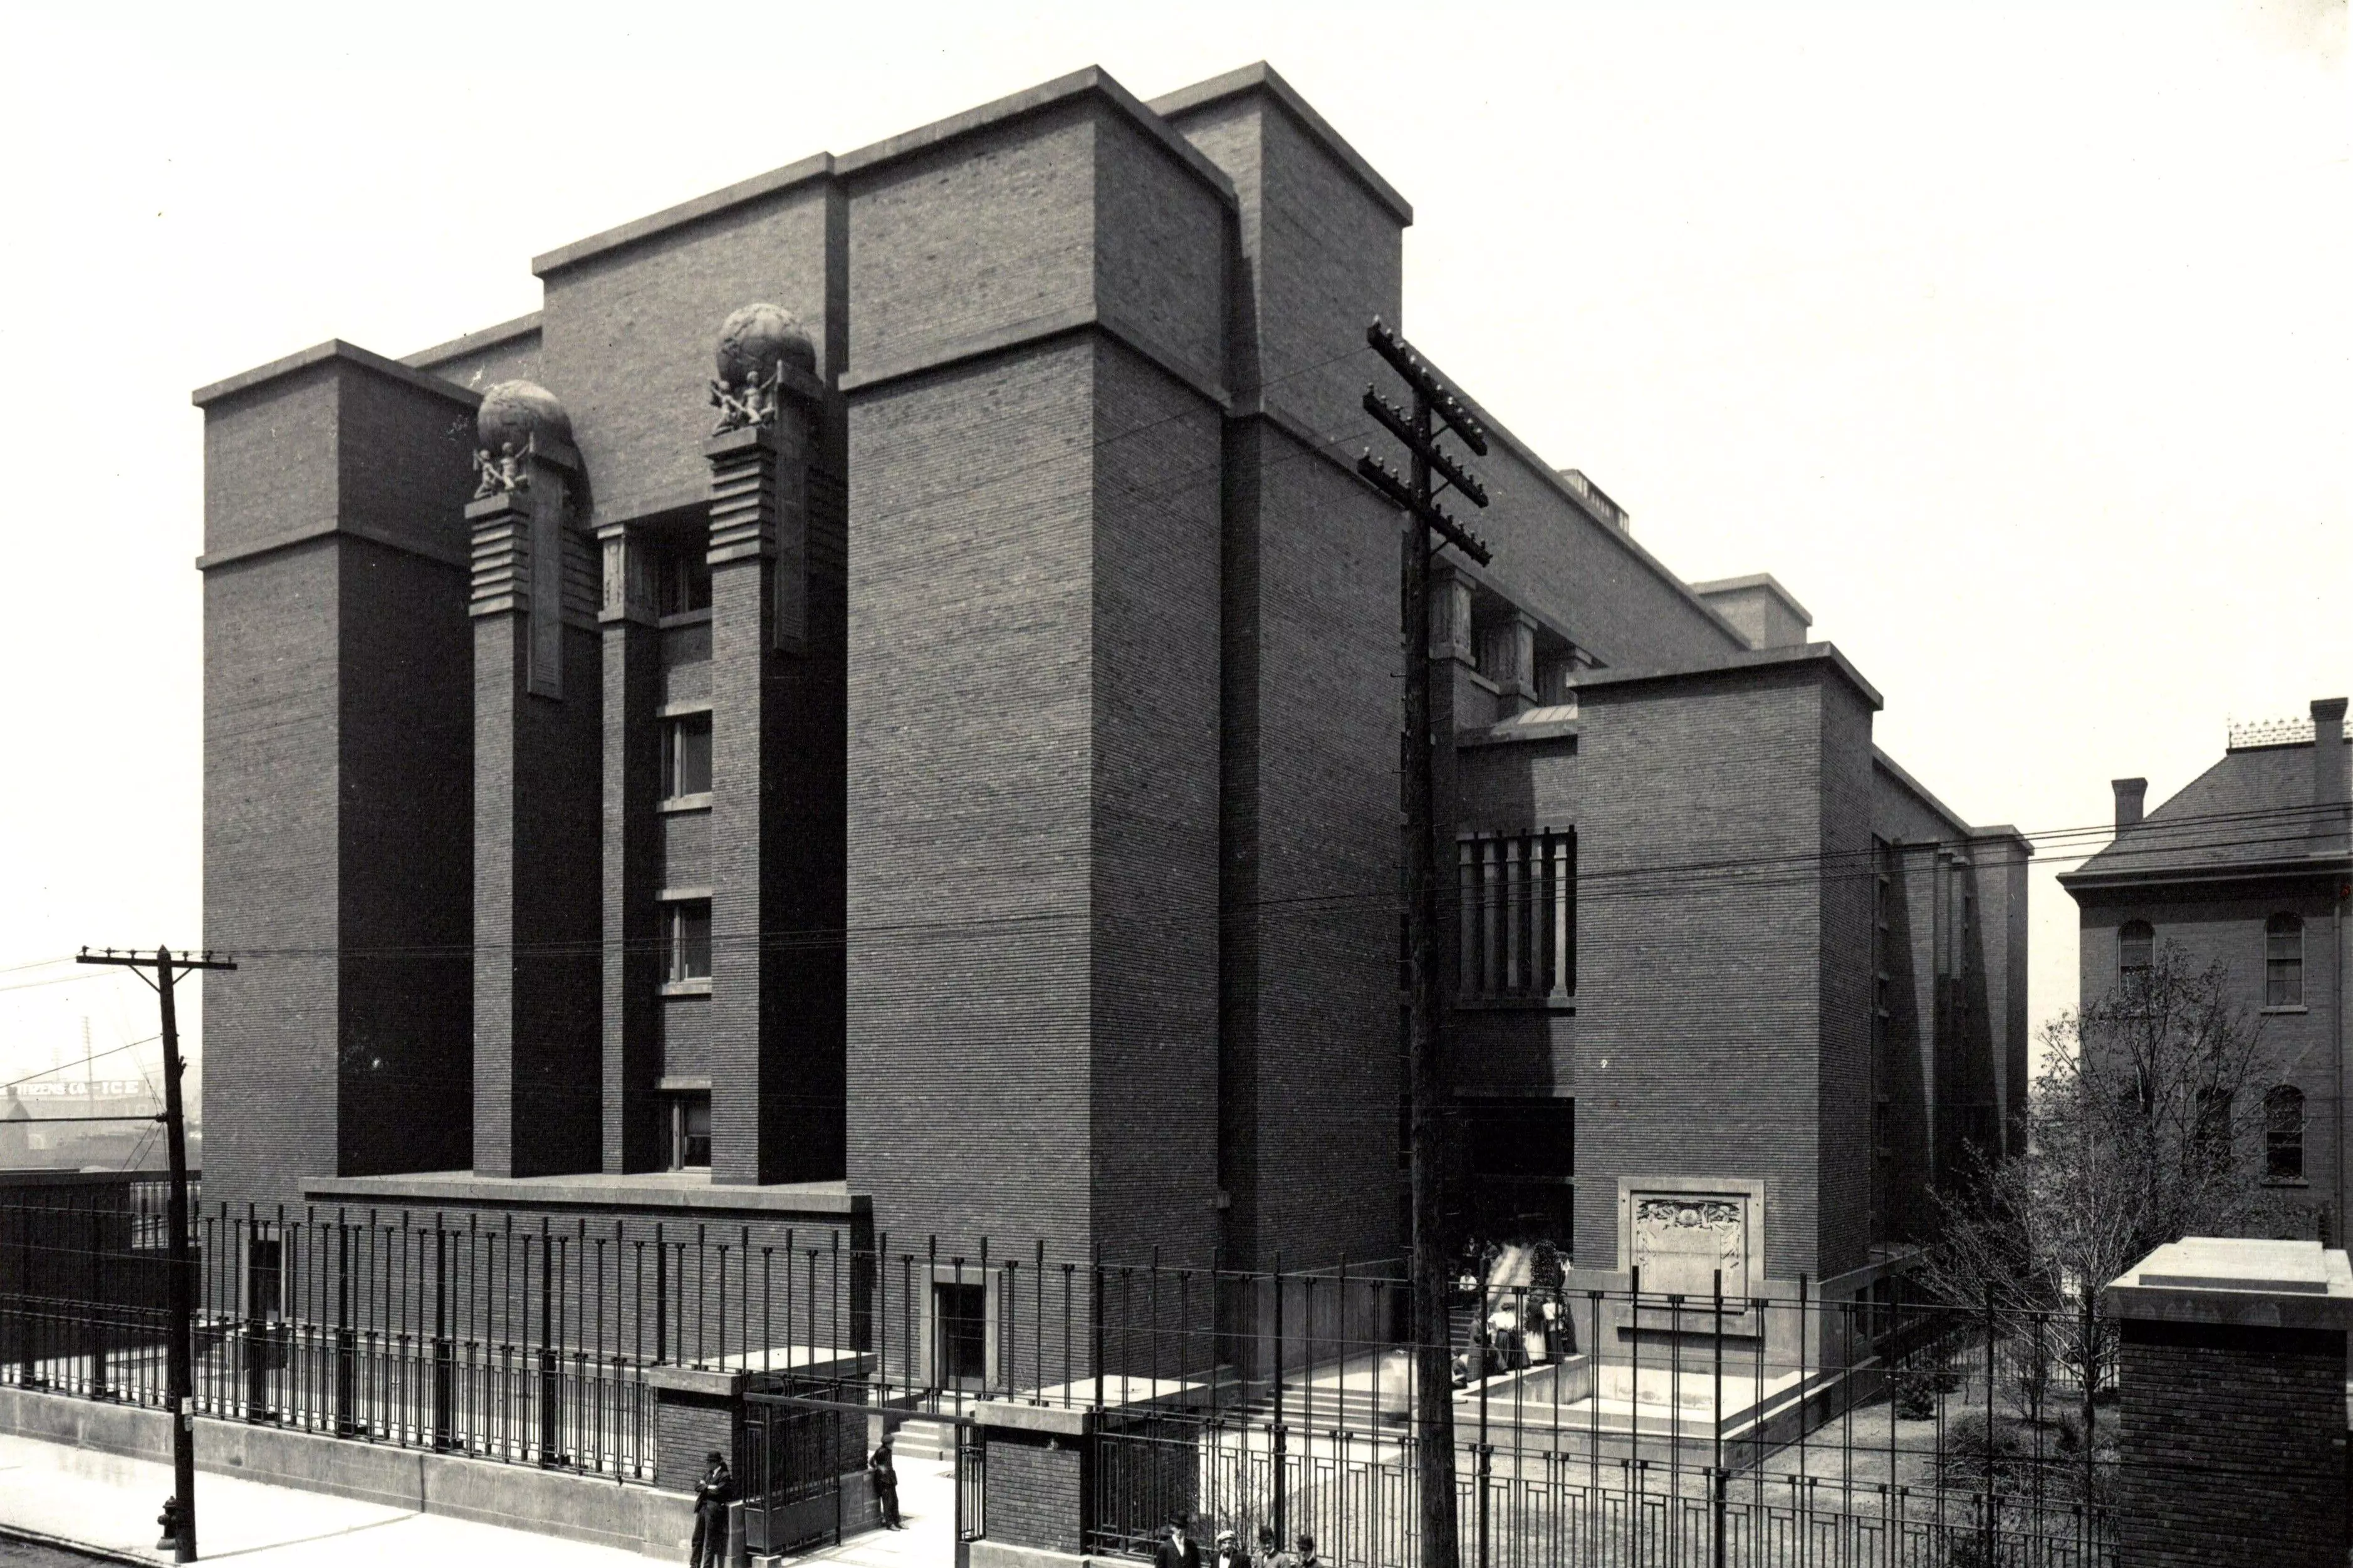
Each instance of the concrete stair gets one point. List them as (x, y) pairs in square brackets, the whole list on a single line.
[(917, 1438)]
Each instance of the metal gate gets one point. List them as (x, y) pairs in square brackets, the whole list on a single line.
[(804, 1479), (803, 1472)]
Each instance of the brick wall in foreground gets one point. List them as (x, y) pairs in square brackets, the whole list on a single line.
[(2233, 1446)]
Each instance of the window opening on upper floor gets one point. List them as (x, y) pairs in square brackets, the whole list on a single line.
[(2284, 1134), (2135, 949), (681, 578), (2284, 962), (686, 939), (686, 755)]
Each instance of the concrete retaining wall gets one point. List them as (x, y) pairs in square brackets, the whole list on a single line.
[(546, 1502)]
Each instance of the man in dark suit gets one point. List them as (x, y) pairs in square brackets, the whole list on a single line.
[(1178, 1551), (885, 1475), (712, 1493), (1228, 1553)]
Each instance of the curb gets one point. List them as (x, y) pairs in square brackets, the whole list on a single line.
[(96, 1553)]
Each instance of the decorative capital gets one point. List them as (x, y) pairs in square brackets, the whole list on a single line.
[(757, 344), (518, 421)]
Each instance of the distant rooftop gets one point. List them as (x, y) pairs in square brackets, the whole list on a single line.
[(2270, 733), (2252, 808)]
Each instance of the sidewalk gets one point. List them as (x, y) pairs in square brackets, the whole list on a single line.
[(109, 1504)]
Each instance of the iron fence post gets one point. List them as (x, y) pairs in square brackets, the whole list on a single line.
[(1716, 1468), (444, 1360), (551, 1379), (345, 1367), (1992, 1445)]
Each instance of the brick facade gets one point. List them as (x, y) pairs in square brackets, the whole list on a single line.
[(2260, 834), (2199, 1403), (1052, 854)]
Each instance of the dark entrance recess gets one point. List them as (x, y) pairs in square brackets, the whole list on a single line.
[(961, 1312), (1522, 1158)]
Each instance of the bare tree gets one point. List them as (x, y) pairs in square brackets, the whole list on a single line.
[(2146, 1125)]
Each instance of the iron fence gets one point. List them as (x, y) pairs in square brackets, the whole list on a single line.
[(1591, 1425)]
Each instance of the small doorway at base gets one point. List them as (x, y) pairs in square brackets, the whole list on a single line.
[(960, 1344)]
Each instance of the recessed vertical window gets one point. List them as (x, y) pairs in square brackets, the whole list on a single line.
[(681, 579), (2135, 947), (690, 1131), (686, 755), (2284, 1134), (2284, 962), (1518, 914), (686, 939)]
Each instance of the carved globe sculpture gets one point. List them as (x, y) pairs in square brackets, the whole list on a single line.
[(754, 339), (515, 411)]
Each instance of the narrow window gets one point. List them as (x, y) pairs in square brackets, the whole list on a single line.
[(2135, 943), (2284, 1134), (2284, 962), (682, 580), (690, 1131), (686, 755), (686, 930)]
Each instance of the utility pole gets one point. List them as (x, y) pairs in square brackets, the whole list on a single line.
[(1435, 407), (179, 1374)]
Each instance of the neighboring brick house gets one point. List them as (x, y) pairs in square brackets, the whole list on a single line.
[(968, 806), (2249, 865)]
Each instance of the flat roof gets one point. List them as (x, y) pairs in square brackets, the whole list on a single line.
[(321, 353), (473, 342), (1260, 76), (1740, 663), (1764, 579), (1092, 81)]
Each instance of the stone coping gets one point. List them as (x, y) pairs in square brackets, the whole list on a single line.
[(473, 342), (726, 1377), (1260, 76), (2237, 1282), (654, 1191), (1738, 663), (1051, 1414), (322, 353), (1092, 81)]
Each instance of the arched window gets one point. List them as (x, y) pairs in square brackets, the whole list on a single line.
[(2135, 942), (2284, 1134), (2284, 962)]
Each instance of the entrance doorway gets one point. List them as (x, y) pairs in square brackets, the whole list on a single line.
[(960, 1342)]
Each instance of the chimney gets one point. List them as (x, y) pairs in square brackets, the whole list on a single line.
[(2332, 770), (2130, 793)]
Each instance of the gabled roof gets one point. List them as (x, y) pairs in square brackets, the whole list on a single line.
[(2252, 811)]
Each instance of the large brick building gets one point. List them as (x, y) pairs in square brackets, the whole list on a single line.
[(961, 800), (2249, 866)]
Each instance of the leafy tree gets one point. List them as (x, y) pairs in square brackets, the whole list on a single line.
[(2146, 1125)]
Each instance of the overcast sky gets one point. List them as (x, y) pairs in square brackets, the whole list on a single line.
[(2015, 342)]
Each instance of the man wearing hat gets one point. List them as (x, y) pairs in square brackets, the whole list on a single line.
[(1178, 1551), (1228, 1552), (712, 1493)]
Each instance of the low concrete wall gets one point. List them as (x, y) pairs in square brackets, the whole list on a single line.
[(546, 1502)]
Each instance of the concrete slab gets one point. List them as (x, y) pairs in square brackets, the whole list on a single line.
[(2232, 1282)]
